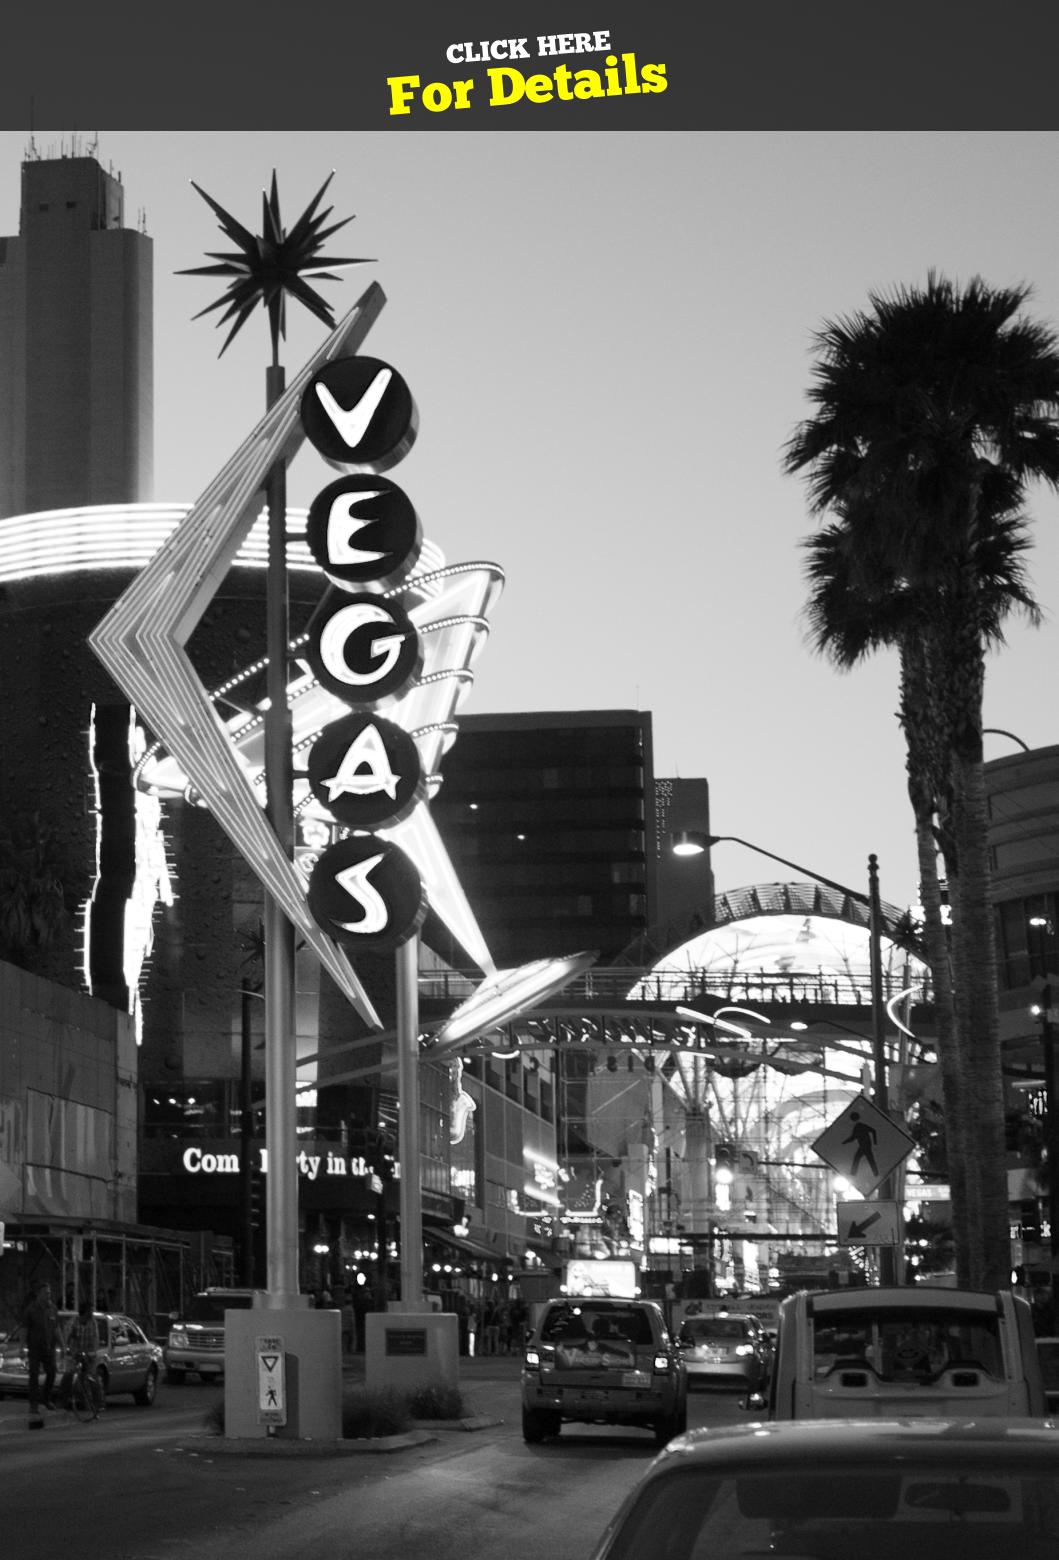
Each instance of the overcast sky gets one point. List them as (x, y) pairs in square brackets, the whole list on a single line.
[(608, 337)]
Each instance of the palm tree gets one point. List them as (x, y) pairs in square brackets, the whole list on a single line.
[(935, 409), (852, 612)]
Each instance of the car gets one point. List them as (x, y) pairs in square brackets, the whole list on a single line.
[(856, 1489), (1048, 1354), (729, 1349), (128, 1361), (196, 1337), (603, 1361), (896, 1351)]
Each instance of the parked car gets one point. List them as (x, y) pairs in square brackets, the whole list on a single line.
[(731, 1349), (876, 1489), (603, 1361), (895, 1351), (128, 1361), (196, 1338), (1048, 1354)]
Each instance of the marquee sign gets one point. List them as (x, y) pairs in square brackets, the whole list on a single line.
[(364, 890)]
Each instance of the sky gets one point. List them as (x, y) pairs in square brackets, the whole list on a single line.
[(609, 340)]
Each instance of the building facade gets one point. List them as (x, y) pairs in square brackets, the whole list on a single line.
[(76, 343)]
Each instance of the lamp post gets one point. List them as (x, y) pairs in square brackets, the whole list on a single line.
[(690, 842)]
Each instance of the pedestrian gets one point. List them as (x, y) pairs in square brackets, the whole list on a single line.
[(41, 1321), (490, 1327), (82, 1343), (349, 1323)]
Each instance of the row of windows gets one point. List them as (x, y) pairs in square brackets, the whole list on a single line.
[(1028, 939)]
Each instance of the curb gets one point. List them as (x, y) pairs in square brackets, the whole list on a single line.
[(280, 1446)]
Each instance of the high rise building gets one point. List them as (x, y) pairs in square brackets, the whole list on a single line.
[(76, 343), (559, 832)]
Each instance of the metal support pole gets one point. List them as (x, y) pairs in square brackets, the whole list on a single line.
[(281, 1136), (887, 1254), (1051, 1122), (411, 1210), (246, 1137)]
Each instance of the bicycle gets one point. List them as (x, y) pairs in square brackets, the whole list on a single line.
[(80, 1393)]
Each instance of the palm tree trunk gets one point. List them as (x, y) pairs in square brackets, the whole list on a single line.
[(974, 954), (920, 721)]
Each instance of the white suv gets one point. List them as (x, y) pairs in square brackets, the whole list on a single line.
[(196, 1339), (892, 1352)]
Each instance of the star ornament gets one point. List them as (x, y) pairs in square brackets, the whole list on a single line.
[(266, 268)]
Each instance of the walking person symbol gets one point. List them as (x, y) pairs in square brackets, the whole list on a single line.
[(864, 1137)]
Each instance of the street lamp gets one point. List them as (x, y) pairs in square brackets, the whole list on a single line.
[(687, 840)]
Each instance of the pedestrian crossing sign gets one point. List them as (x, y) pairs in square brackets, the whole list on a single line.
[(271, 1382), (864, 1145)]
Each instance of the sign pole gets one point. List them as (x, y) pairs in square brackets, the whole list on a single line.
[(411, 1210)]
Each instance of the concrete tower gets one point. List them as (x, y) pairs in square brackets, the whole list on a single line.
[(76, 344)]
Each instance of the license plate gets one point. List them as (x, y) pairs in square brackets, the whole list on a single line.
[(595, 1395), (635, 1378)]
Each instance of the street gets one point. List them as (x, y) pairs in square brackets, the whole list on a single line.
[(150, 1484)]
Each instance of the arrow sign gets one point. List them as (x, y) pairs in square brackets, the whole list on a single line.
[(863, 1145), (868, 1223)]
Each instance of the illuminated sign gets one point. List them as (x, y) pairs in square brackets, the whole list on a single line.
[(359, 414), (204, 1161), (364, 890), (364, 530), (366, 771)]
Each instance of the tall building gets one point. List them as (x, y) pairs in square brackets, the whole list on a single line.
[(76, 343), (559, 832)]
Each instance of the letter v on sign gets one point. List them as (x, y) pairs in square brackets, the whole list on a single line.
[(352, 423)]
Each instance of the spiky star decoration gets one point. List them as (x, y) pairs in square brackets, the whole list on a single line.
[(268, 267)]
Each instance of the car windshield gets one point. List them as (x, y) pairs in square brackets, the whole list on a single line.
[(567, 1322), (944, 1512), (907, 1344), (211, 1308)]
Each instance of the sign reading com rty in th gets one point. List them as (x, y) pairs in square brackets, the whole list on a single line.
[(363, 769)]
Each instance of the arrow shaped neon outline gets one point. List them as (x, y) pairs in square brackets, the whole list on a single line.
[(142, 643)]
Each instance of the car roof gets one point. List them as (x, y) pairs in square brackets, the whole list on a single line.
[(922, 1297), (853, 1441)]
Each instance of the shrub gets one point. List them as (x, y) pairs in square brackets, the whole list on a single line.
[(374, 1411), (434, 1402)]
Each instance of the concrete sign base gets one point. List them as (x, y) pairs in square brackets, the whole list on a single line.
[(283, 1374), (407, 1349)]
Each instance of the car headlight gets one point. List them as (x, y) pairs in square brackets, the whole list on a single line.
[(178, 1340), (661, 1362), (744, 1348), (533, 1359)]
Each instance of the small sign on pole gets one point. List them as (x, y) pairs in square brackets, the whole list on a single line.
[(271, 1382), (868, 1223), (864, 1145)]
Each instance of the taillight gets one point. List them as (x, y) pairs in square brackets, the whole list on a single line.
[(533, 1359), (744, 1348), (661, 1363)]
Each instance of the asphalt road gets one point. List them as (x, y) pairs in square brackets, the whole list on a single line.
[(152, 1484)]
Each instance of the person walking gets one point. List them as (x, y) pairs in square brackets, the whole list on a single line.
[(41, 1321)]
